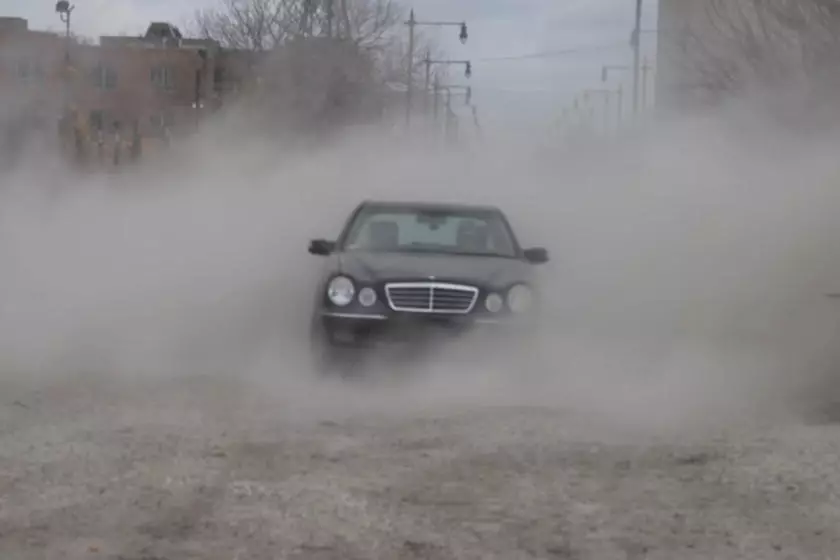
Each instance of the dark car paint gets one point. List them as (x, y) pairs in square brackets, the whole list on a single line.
[(339, 244), (470, 269), (488, 273), (366, 269)]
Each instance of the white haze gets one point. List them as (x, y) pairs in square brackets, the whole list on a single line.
[(689, 267)]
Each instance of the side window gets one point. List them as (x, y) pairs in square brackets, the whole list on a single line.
[(27, 70), (104, 77), (161, 77)]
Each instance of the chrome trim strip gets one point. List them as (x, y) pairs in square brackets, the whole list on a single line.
[(491, 322), (353, 316), (432, 286)]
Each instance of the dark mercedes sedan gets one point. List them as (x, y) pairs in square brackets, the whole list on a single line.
[(406, 274)]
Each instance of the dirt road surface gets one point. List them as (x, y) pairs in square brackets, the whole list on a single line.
[(208, 468)]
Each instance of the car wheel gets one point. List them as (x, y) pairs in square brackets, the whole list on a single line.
[(330, 361)]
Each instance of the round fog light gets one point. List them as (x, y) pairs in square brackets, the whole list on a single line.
[(367, 297), (494, 303), (520, 298)]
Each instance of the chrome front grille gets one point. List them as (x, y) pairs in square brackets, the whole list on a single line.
[(431, 297)]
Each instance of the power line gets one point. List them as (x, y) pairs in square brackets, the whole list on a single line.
[(554, 53)]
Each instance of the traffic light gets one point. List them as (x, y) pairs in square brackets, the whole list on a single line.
[(468, 69), (463, 34)]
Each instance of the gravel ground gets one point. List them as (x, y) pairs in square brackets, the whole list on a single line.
[(205, 468)]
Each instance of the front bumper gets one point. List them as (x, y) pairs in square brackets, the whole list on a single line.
[(361, 330)]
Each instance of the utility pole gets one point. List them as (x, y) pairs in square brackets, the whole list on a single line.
[(620, 107), (636, 44), (605, 73), (607, 93), (646, 68), (65, 10), (412, 23), (451, 120), (476, 123), (436, 94), (428, 62)]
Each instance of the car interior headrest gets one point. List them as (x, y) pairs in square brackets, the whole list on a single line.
[(384, 234)]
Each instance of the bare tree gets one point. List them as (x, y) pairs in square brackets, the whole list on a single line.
[(251, 25), (747, 43), (262, 25), (317, 62)]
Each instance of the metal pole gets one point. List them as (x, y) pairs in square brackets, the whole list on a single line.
[(447, 124), (645, 70), (619, 111), (436, 93), (410, 68), (428, 62), (637, 32), (607, 112)]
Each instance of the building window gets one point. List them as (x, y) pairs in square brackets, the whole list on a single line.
[(29, 71), (104, 77), (162, 78)]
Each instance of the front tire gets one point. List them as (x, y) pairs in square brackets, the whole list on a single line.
[(331, 361)]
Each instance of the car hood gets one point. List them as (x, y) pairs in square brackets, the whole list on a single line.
[(479, 270)]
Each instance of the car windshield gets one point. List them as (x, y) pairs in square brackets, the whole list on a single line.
[(449, 231)]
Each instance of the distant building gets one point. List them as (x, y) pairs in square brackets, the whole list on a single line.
[(159, 79), (30, 68)]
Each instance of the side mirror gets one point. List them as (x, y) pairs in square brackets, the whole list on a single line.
[(536, 255), (321, 247)]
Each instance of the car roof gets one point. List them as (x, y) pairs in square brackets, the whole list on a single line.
[(427, 205)]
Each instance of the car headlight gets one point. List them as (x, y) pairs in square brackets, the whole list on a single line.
[(494, 303), (341, 291), (520, 298)]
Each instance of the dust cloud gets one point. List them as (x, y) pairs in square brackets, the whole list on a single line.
[(689, 267)]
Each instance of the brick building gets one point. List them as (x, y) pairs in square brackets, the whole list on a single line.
[(161, 81), (154, 80), (30, 73)]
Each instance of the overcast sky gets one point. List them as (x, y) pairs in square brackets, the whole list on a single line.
[(519, 89)]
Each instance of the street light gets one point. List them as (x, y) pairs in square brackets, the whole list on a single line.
[(428, 62), (635, 43), (467, 91), (412, 23), (607, 94), (606, 69), (64, 10), (605, 72)]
